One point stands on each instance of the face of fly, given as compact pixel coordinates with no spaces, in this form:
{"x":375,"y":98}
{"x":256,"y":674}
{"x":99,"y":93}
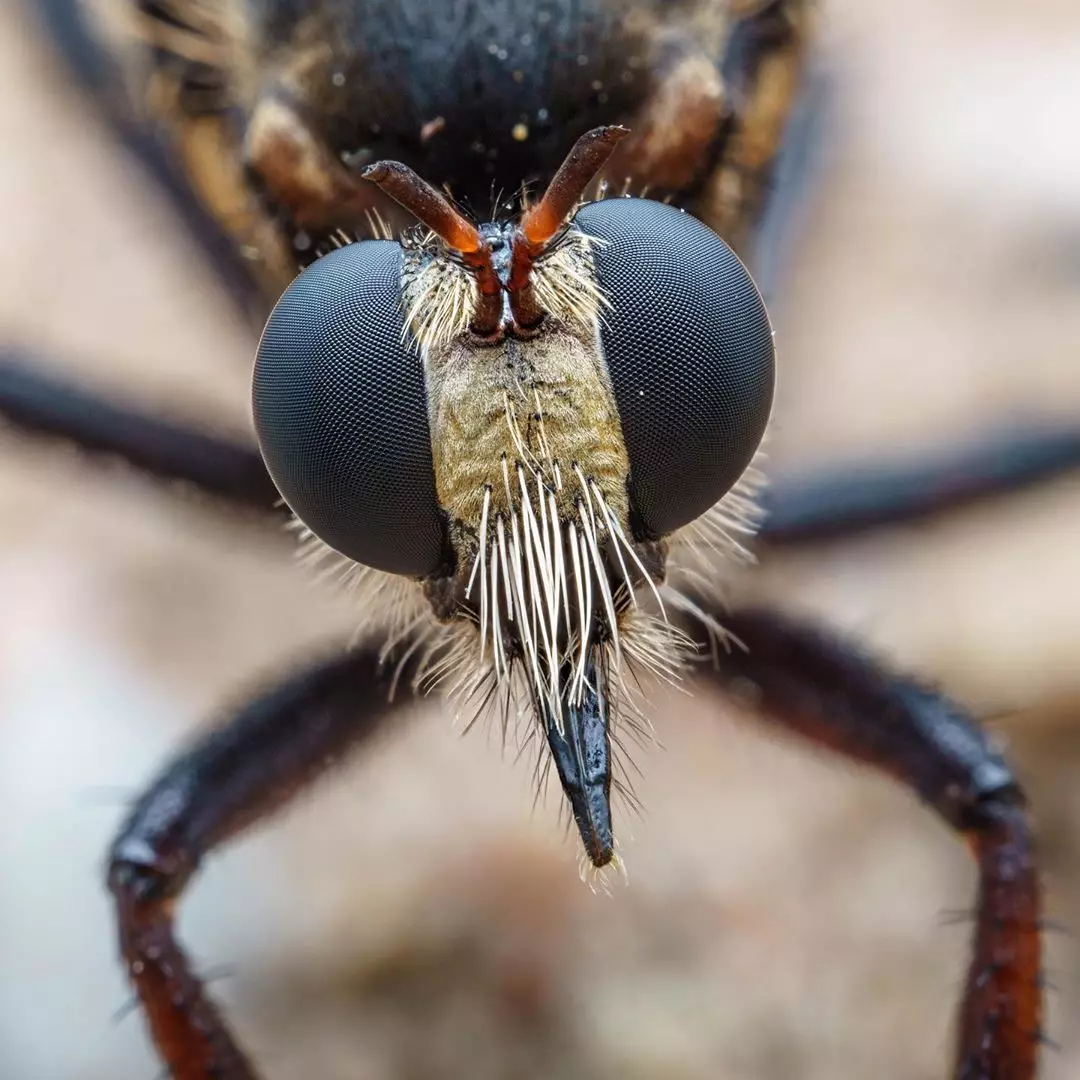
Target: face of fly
{"x":531,"y":469}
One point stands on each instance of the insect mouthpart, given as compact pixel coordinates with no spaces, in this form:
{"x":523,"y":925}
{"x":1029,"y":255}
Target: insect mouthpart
{"x":581,"y":750}
{"x":549,"y":618}
{"x":552,"y":589}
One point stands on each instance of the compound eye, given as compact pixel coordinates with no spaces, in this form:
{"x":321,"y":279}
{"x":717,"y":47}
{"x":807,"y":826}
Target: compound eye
{"x":341,"y":413}
{"x":690,"y":353}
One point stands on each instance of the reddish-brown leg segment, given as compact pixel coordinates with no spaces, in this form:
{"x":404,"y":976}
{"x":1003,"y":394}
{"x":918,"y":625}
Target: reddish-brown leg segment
{"x":232,"y":778}
{"x":828,"y":691}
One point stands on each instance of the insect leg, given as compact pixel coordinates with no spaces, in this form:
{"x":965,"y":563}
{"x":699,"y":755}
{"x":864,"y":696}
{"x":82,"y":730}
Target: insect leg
{"x":845,"y":501}
{"x":47,"y":406}
{"x":829,"y":692}
{"x":274,"y":746}
{"x":94,"y":72}
{"x":796,"y":175}
{"x":763,"y":69}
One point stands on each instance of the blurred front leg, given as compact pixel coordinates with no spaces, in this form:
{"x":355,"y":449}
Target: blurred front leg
{"x":764,"y":73}
{"x":829,"y":692}
{"x":237,"y":775}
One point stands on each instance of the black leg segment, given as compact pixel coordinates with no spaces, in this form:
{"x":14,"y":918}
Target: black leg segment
{"x":813,"y":683}
{"x":96,"y":75}
{"x":47,"y":406}
{"x":237,"y":775}
{"x":849,"y":500}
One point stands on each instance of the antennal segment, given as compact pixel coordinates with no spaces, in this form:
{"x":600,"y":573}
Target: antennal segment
{"x":540,"y":223}
{"x":434,"y":210}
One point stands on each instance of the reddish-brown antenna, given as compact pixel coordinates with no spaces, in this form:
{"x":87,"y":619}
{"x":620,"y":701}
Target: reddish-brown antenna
{"x":432,"y":209}
{"x":542,"y":221}
{"x":586,"y":158}
{"x":538,"y":225}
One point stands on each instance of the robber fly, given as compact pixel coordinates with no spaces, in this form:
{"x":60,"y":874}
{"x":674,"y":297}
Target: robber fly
{"x":517,"y":390}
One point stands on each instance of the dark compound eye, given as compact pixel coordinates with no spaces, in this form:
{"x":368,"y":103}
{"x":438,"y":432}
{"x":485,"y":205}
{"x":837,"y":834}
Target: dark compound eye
{"x":690,"y":352}
{"x":341,"y":413}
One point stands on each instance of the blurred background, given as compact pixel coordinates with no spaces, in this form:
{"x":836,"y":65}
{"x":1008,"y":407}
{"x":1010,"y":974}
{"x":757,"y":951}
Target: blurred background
{"x":416,"y":917}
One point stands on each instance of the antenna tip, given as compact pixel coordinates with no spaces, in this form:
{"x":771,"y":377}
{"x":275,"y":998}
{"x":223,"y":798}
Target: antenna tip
{"x":379,"y":171}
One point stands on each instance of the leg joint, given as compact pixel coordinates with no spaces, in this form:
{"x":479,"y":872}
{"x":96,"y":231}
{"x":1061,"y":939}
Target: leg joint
{"x":138,"y":873}
{"x":988,"y":807}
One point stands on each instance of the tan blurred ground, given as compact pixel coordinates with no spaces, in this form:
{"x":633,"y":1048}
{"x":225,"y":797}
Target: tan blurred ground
{"x":418,"y":919}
